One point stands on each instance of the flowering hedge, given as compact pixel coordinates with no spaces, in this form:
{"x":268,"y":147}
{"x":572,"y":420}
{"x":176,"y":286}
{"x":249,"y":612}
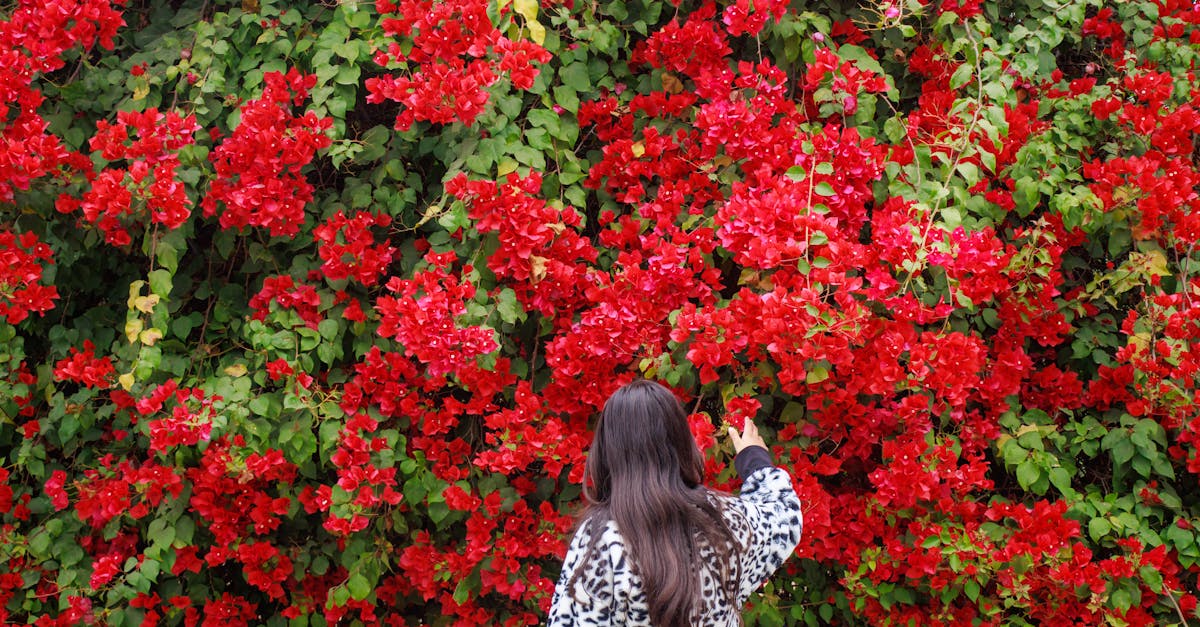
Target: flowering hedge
{"x":306,"y":308}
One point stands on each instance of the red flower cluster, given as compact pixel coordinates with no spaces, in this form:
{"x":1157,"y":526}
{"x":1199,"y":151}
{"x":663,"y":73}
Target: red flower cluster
{"x":285,"y":294}
{"x":846,"y":79}
{"x":746,"y":18}
{"x":85,"y":368}
{"x":230,"y":494}
{"x":542,"y":254}
{"x":32,"y":42}
{"x":457,"y":53}
{"x":258,"y":168}
{"x":149,"y":178}
{"x":119,"y":488}
{"x":190,"y":421}
{"x":21,"y":275}
{"x":265,"y":567}
{"x":348,"y":248}
{"x":366,"y":486}
{"x":421,"y":317}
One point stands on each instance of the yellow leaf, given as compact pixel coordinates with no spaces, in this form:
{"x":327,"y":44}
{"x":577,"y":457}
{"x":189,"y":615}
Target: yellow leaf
{"x":126,"y":381}
{"x":537,"y":268}
{"x":537,"y":32}
{"x":671,"y":83}
{"x":1140,"y":340}
{"x":145,"y":304}
{"x":1156,"y":263}
{"x":135,"y":290}
{"x":141,"y":88}
{"x":431,"y":212}
{"x":1038,"y":428}
{"x":527,"y":9}
{"x":132,"y":328}
{"x":150,"y":336}
{"x":638,"y":149}
{"x":236,"y":370}
{"x":506,"y":166}
{"x":748,"y":276}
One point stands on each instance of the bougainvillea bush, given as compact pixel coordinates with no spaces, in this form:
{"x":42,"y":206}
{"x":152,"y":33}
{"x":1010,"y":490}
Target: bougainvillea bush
{"x":306,"y":309}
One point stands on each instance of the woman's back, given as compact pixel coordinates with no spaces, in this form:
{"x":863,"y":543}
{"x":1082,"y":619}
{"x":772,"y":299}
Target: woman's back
{"x":600,"y":582}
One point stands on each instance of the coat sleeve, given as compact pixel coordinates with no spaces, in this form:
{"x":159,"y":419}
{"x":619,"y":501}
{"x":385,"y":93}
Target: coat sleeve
{"x":592,"y":600}
{"x":771,"y":524}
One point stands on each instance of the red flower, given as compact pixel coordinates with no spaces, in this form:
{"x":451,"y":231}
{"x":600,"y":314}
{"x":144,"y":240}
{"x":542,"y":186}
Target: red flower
{"x":85,"y":368}
{"x":54,"y":489}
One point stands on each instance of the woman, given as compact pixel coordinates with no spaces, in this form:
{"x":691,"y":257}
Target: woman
{"x":654,"y":546}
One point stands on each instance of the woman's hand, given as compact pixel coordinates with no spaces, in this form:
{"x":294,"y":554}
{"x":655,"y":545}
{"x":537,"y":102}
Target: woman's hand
{"x":748,"y":437}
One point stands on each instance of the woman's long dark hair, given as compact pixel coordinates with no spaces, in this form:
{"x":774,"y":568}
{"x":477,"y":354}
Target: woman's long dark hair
{"x":646,"y":474}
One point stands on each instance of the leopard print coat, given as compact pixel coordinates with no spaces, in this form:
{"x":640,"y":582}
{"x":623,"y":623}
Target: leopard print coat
{"x":608,"y":593}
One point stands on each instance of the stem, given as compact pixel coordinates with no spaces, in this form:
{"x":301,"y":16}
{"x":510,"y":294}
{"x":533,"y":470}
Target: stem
{"x":1178,"y":610}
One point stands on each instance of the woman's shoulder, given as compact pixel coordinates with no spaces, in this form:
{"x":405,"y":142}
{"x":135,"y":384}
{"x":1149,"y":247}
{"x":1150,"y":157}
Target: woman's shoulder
{"x":607,"y":540}
{"x":596,"y":524}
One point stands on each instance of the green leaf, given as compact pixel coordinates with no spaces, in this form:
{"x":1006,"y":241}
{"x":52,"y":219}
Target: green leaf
{"x":509,"y":308}
{"x":328,"y":329}
{"x":184,"y":529}
{"x":358,"y":586}
{"x":1028,"y":473}
{"x":338,"y":596}
{"x":575,"y":76}
{"x":1152,"y":578}
{"x":816,"y":374}
{"x":1098,"y":528}
{"x":309,"y":339}
{"x":347,"y":74}
{"x":1179,"y":537}
{"x":462,"y":591}
{"x":567,"y":98}
{"x":160,"y":283}
{"x":283,"y":340}
{"x":260,"y":405}
{"x":39,"y":543}
{"x":182,"y":327}
{"x":1121,"y":599}
{"x":961,"y":76}
{"x":1119,"y":240}
{"x":150,"y":569}
{"x":895,"y":130}
{"x":1123,"y":450}
{"x":1061,"y":479}
{"x":971,"y":589}
{"x":860,"y":57}
{"x":167,"y":256}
